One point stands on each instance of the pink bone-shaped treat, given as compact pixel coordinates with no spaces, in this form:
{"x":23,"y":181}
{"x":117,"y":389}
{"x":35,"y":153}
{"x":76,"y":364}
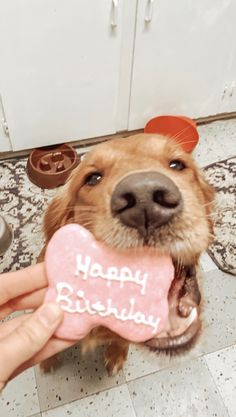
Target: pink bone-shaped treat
{"x":125,"y":291}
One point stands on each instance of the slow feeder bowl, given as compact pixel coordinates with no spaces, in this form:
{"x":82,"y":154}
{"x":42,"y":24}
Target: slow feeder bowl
{"x":51,"y":166}
{"x":180,"y":128}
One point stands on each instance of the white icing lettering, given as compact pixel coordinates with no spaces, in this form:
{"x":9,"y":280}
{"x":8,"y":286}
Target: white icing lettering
{"x":82,"y":267}
{"x":95,"y":270}
{"x":112,"y":272}
{"x":64,"y":291}
{"x":98,"y":306}
{"x":82,"y":305}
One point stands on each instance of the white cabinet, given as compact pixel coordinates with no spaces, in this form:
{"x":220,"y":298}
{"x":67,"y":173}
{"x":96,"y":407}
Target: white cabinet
{"x":60,"y":69}
{"x":181,"y":58}
{"x":228,"y":98}
{"x":76,"y":69}
{"x":5,"y":144}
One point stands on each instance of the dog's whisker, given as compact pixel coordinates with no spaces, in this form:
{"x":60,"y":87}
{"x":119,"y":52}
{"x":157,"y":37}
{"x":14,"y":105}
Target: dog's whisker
{"x":184,"y":141}
{"x":207,"y":204}
{"x":179,"y":262}
{"x":68,"y":209}
{"x":180,"y":141}
{"x":87,"y":224}
{"x":180,"y":132}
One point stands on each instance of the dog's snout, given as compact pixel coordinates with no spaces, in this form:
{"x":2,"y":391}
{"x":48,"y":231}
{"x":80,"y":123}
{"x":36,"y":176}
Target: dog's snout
{"x":146,"y":200}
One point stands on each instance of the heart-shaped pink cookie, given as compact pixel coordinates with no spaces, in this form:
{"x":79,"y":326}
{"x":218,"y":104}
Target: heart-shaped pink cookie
{"x":95,"y":285}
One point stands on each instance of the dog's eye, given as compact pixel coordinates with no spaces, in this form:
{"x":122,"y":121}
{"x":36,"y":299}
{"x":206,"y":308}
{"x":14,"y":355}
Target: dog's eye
{"x":93,"y":179}
{"x":177,"y":165}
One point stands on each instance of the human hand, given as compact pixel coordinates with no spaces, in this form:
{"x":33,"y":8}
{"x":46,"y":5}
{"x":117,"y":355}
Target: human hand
{"x":27,"y":339}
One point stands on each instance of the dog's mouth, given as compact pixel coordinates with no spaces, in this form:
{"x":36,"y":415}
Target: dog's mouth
{"x":183,"y":322}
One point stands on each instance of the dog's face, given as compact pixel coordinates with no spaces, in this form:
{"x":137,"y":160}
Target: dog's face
{"x":142,"y":190}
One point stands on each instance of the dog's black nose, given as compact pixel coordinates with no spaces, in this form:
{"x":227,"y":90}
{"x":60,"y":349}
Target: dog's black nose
{"x":146,"y":200}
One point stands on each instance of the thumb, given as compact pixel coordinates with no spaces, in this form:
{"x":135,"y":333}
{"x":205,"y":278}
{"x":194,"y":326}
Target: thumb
{"x":28,"y":339}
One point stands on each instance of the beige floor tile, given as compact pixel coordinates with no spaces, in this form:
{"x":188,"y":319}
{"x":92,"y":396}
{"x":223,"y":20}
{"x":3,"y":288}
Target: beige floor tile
{"x":115,"y":402}
{"x":218,"y":328}
{"x":217,"y":142}
{"x":207,"y":263}
{"x":76,"y":378}
{"x":20,"y":398}
{"x":222,"y":366}
{"x":219,"y":325}
{"x":184,"y":391}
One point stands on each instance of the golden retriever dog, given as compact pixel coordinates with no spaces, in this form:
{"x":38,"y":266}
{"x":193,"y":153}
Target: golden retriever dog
{"x":143,"y":190}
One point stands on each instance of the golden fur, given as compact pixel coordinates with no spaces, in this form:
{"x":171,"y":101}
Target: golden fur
{"x":185,"y":237}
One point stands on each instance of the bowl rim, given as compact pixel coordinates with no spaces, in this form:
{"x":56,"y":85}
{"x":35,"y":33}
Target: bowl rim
{"x":32,"y":167}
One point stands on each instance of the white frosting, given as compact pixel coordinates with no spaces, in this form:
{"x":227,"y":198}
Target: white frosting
{"x":84,"y":305}
{"x":85,"y":268}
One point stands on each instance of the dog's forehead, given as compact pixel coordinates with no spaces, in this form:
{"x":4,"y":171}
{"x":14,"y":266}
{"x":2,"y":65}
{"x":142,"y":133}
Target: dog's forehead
{"x":137,"y":143}
{"x":141,"y":145}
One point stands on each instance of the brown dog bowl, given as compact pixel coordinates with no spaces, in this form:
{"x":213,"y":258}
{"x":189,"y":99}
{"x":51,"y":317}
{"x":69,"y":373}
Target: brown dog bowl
{"x":51,"y":166}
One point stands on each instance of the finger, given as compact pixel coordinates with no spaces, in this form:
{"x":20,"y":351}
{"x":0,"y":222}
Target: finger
{"x":51,"y":348}
{"x":30,"y":301}
{"x":14,"y":284}
{"x":8,"y":326}
{"x":28,"y":339}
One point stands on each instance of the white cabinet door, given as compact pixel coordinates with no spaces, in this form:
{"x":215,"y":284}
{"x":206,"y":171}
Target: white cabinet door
{"x":59,"y":70}
{"x":228,"y":102}
{"x":181,"y":57}
{"x":5,"y":144}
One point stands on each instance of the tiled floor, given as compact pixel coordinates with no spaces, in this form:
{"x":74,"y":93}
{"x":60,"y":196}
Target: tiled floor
{"x":201,"y":384}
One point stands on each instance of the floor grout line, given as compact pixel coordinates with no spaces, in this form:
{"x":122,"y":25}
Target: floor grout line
{"x":36,"y":415}
{"x":221,"y":349}
{"x":131,"y":400}
{"x":36,"y":382}
{"x":211,"y":376}
{"x":199,"y":356}
{"x":216,"y":387}
{"x":80,"y":399}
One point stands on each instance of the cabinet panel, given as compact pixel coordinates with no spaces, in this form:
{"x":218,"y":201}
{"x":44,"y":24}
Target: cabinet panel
{"x":5,"y":144}
{"x":228,"y":101}
{"x":180,"y":58}
{"x":59,"y":71}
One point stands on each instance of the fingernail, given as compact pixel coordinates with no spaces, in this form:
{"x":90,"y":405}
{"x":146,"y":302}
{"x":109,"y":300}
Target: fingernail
{"x":49,"y":314}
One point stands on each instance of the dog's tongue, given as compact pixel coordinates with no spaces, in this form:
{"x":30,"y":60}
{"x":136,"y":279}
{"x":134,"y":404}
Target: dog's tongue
{"x":125,"y":291}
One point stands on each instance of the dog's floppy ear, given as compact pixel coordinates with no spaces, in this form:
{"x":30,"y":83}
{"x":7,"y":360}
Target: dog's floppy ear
{"x":209,"y":197}
{"x":61,"y":209}
{"x":58,"y":213}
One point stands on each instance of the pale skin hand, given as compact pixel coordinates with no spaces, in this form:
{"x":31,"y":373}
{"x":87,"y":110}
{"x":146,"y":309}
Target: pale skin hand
{"x":27,"y":339}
